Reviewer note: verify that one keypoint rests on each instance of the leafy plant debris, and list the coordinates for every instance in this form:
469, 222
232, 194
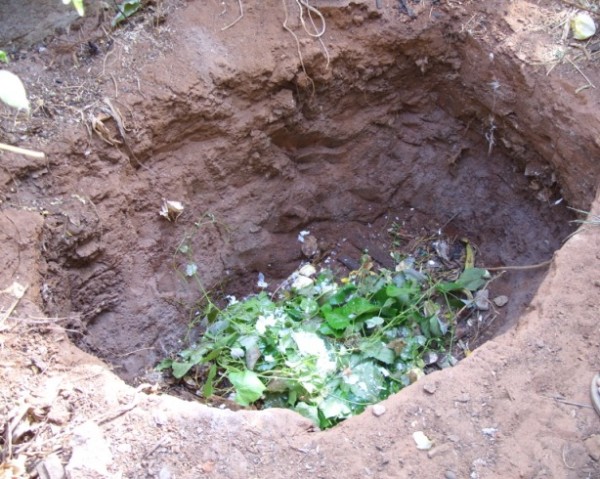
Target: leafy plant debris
327, 347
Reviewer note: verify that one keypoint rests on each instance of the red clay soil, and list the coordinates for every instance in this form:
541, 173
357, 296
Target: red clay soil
460, 116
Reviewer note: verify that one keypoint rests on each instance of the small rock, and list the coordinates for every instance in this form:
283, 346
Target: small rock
40, 364
59, 414
463, 398
91, 452
450, 475
430, 388
439, 450
422, 441
164, 473
310, 246
482, 300
160, 417
378, 410
489, 431
124, 448
358, 19
500, 300
592, 444
453, 438
415, 374
50, 468
430, 357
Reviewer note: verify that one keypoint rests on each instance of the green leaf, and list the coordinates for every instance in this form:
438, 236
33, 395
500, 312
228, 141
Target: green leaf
334, 318
248, 386
435, 327
126, 9
181, 369
309, 307
472, 278
377, 350
3, 56
164, 364
403, 294
448, 287
208, 388
308, 411
374, 322
342, 295
370, 382
357, 307
332, 407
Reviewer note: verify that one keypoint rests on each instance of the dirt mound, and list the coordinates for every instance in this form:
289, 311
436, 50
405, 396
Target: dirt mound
434, 119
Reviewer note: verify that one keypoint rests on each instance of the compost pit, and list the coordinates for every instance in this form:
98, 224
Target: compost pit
395, 139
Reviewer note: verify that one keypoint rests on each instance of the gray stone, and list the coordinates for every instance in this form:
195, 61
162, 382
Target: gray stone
430, 388
500, 300
91, 454
50, 468
592, 444
439, 450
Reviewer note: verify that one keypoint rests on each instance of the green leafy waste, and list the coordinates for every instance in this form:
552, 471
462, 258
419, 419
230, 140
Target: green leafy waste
125, 10
326, 348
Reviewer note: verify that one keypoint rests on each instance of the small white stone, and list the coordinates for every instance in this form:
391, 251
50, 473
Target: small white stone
378, 410
422, 441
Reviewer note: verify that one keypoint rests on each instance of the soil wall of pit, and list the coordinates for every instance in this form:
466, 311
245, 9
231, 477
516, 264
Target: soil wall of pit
413, 120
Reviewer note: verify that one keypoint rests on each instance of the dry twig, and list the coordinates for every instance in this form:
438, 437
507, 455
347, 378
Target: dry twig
22, 151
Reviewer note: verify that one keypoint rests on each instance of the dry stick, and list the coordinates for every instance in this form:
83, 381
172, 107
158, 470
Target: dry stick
12, 307
525, 267
237, 19
582, 74
580, 7
22, 151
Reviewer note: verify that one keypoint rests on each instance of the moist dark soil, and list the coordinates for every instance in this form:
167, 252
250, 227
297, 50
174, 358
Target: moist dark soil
443, 120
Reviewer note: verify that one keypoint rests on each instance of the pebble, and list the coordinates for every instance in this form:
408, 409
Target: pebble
450, 475
489, 431
124, 448
439, 450
463, 398
482, 301
592, 444
378, 410
50, 468
500, 300
430, 388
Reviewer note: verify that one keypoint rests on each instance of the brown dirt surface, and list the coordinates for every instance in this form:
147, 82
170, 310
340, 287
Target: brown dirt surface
467, 119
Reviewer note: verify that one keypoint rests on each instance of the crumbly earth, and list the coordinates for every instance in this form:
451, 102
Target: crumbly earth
467, 118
